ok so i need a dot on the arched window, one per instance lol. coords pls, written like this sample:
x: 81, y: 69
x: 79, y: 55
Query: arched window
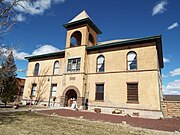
x: 100, y: 63
x: 132, y: 60
x: 76, y: 39
x: 56, y: 67
x: 36, y: 69
x: 91, y: 40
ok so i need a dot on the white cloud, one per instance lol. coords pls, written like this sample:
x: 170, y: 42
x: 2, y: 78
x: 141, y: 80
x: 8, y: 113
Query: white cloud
x: 174, y: 25
x: 19, y: 55
x: 173, y: 88
x: 45, y: 49
x: 20, y: 70
x: 166, y: 60
x: 159, y: 8
x: 164, y: 76
x: 36, y: 7
x: 58, y: 1
x: 19, y: 18
x: 32, y: 7
x: 175, y: 72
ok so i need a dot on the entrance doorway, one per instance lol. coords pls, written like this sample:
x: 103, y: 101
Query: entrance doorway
x: 69, y: 97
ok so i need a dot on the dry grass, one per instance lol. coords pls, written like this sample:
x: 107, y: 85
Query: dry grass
x: 28, y: 123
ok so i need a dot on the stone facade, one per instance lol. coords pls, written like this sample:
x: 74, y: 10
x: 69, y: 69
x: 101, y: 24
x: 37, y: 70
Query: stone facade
x: 171, y: 108
x: 81, y: 84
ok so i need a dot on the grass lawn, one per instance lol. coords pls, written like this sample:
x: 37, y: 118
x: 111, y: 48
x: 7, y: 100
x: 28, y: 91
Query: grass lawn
x: 29, y: 123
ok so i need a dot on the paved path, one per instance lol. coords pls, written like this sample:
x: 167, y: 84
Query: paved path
x: 171, y: 125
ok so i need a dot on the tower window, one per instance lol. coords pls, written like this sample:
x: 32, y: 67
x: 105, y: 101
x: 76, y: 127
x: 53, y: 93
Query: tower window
x: 76, y: 39
x: 91, y: 40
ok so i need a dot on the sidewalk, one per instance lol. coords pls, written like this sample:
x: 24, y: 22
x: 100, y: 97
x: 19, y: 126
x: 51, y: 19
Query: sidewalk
x: 171, y: 125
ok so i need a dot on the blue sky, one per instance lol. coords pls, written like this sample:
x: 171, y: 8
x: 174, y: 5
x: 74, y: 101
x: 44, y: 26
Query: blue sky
x: 40, y: 29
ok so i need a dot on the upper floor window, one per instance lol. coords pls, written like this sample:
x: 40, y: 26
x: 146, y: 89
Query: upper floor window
x: 100, y: 63
x: 76, y: 39
x: 56, y: 67
x: 74, y: 64
x: 132, y: 60
x: 36, y: 69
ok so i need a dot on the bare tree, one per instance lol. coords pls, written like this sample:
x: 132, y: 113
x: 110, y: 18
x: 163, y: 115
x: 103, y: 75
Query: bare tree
x: 7, y: 20
x: 8, y: 13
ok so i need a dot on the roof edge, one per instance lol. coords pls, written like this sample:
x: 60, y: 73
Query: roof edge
x: 126, y: 41
x: 45, y: 55
x: 86, y: 20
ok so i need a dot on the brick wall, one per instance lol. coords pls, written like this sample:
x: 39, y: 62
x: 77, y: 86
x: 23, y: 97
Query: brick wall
x: 171, y: 108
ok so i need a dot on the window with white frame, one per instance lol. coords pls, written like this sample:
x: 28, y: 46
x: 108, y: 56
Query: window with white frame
x: 56, y: 67
x: 33, y: 90
x: 100, y: 63
x: 74, y: 65
x: 53, y: 90
x: 132, y: 60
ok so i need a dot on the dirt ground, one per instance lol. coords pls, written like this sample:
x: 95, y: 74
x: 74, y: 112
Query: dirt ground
x: 170, y: 124
x: 30, y: 123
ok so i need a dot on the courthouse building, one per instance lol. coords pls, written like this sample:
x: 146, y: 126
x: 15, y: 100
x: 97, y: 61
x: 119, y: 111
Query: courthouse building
x: 118, y: 74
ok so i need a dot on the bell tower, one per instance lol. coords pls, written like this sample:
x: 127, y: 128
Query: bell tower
x: 81, y: 31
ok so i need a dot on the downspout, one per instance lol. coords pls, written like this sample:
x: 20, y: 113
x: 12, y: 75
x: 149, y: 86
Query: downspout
x: 86, y: 75
x: 49, y: 79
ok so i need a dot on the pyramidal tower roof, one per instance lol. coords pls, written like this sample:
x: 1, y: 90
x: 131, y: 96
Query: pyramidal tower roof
x: 80, y: 19
x: 81, y: 16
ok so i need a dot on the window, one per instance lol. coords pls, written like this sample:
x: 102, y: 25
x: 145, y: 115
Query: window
x: 36, y: 70
x: 91, y: 39
x: 132, y: 61
x: 33, y: 91
x: 99, y: 92
x: 74, y: 65
x: 53, y: 90
x: 76, y: 39
x: 132, y: 92
x: 56, y: 67
x: 100, y: 63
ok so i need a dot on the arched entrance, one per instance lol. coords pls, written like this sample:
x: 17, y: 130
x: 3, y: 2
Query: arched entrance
x: 71, y: 92
x: 69, y: 97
